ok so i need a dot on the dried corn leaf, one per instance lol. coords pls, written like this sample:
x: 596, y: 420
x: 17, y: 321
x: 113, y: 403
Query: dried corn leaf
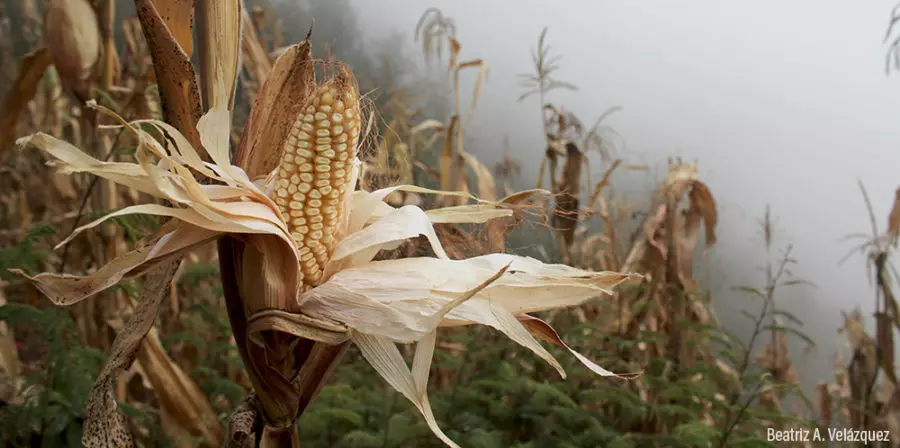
x: 413, y: 286
x: 219, y: 36
x: 702, y: 199
x: 487, y: 188
x: 174, y: 73
x: 454, y: 53
x: 20, y: 94
x: 256, y: 59
x: 446, y: 158
x: 466, y: 214
x: 894, y: 219
x: 479, y: 82
x: 65, y: 290
x: 383, y: 355
x: 104, y: 425
x: 180, y: 397
x: 884, y: 337
x: 178, y: 16
x: 598, y: 189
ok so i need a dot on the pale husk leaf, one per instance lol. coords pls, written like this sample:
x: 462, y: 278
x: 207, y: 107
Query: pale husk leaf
x: 219, y: 34
x: 365, y: 204
x: 466, y: 214
x: 409, y: 293
x: 75, y: 160
x: 386, y: 233
x: 386, y: 359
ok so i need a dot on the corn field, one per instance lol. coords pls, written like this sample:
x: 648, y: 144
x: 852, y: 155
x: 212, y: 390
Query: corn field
x: 213, y: 235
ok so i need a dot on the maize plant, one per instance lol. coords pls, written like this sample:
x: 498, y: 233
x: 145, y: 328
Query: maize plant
x: 298, y: 240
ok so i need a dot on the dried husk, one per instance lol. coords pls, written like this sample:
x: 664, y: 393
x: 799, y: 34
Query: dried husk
x: 288, y: 86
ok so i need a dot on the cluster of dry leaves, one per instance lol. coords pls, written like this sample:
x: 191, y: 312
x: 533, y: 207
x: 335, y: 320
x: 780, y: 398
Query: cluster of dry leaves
x: 47, y: 93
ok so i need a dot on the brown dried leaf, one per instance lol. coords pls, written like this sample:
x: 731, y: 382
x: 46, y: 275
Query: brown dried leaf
x: 446, y: 158
x: 278, y: 399
x: 20, y: 94
x: 884, y: 337
x: 175, y: 75
x: 242, y: 424
x: 598, y: 190
x: 894, y: 219
x: 180, y: 395
x: 702, y: 199
x: 566, y: 212
x: 104, y: 425
x: 188, y: 413
x: 823, y: 398
x: 275, y: 108
x: 256, y: 58
x: 454, y: 53
x: 479, y: 82
x: 178, y: 16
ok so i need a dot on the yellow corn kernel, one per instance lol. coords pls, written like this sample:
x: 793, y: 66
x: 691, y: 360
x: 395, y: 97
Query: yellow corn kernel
x: 312, y: 175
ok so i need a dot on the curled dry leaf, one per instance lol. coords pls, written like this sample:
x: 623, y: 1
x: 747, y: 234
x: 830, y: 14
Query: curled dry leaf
x: 104, y: 425
x: 256, y: 59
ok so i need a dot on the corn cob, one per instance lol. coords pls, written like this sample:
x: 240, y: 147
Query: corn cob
x: 314, y: 171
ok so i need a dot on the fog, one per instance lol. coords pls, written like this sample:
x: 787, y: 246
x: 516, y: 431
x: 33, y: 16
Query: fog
x: 782, y: 103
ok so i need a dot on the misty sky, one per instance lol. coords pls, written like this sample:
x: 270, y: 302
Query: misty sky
x: 782, y: 103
